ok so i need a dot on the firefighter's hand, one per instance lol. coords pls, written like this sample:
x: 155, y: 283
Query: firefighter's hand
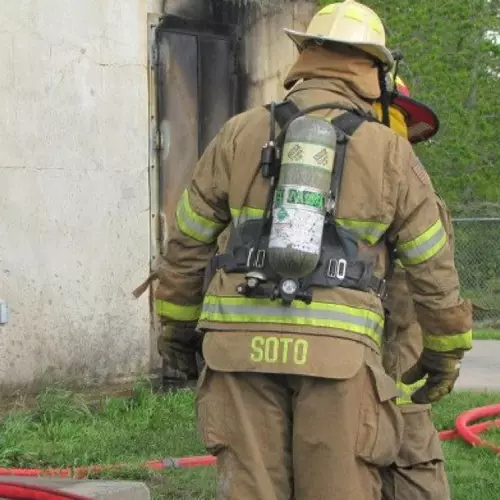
x: 442, y: 370
x: 178, y: 344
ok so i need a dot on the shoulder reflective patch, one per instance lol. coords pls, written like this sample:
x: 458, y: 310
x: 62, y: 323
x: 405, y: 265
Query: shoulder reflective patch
x: 281, y: 350
x: 421, y: 173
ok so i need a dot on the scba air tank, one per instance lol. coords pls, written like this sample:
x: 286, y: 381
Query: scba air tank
x: 299, y: 205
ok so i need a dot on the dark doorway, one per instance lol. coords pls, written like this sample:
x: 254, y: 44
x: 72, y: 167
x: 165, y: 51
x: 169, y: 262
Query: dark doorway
x: 197, y: 84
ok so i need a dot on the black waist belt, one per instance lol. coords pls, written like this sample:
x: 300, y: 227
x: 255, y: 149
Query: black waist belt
x: 331, y: 272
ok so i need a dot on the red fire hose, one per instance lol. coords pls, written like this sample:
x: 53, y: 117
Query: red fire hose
x: 19, y: 491
x: 464, y: 431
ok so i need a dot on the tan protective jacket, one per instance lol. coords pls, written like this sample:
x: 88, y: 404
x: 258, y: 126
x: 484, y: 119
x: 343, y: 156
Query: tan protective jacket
x: 385, y: 192
x: 403, y: 342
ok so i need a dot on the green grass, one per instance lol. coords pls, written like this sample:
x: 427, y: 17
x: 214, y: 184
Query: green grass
x: 486, y: 334
x: 63, y: 431
x: 474, y: 473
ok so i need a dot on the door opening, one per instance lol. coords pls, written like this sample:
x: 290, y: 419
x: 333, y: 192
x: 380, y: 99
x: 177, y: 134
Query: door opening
x: 197, y: 91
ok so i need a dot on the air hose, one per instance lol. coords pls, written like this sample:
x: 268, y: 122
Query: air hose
x: 464, y: 431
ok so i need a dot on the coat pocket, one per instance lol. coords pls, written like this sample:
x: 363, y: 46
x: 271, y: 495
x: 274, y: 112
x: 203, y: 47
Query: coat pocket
x: 381, y: 423
x: 210, y: 411
x: 421, y: 442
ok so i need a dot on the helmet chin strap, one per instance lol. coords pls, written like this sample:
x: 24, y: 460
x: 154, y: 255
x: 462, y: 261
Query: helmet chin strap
x: 398, y: 57
x: 385, y: 96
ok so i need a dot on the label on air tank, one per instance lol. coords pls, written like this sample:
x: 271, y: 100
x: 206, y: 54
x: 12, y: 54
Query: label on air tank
x: 298, y: 218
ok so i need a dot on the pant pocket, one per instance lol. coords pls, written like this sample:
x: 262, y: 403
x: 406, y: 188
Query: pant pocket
x: 381, y: 424
x: 211, y: 411
x: 421, y: 442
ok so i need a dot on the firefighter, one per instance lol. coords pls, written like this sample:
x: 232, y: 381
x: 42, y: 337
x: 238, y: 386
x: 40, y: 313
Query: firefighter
x: 418, y: 472
x: 294, y: 400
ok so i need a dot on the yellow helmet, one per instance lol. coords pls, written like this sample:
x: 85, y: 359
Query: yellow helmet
x: 351, y: 23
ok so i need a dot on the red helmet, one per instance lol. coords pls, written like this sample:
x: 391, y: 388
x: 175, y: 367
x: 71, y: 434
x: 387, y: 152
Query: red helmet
x: 421, y: 120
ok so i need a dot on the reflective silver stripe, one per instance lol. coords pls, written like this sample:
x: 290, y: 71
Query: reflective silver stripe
x: 235, y: 310
x: 369, y: 231
x: 425, y: 246
x: 244, y: 214
x: 194, y: 225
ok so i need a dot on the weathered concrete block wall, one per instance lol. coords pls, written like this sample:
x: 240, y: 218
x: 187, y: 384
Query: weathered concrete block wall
x: 267, y: 52
x: 74, y: 200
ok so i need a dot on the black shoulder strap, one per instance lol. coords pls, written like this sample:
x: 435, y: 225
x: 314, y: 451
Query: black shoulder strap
x: 348, y: 123
x: 283, y: 111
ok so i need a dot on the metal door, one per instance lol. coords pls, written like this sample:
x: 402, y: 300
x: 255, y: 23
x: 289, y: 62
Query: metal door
x: 196, y: 84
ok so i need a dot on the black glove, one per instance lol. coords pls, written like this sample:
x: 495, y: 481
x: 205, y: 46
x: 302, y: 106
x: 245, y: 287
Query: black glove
x: 442, y: 370
x: 178, y: 345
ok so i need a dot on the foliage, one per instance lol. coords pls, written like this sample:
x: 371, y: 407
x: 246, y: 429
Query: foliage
x: 452, y: 63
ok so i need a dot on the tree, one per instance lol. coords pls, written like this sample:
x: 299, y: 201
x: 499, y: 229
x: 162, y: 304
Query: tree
x: 452, y: 62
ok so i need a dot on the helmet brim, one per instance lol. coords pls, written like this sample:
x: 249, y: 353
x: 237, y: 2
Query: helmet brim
x: 421, y: 120
x: 380, y: 53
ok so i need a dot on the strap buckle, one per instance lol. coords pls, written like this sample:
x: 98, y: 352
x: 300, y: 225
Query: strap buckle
x: 259, y: 261
x: 382, y: 289
x: 337, y: 269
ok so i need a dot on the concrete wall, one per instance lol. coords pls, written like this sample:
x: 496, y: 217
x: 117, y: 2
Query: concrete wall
x: 269, y: 52
x: 74, y: 200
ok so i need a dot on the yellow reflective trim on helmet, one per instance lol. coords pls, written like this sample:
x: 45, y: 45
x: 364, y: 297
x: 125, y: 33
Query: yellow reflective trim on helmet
x: 317, y: 314
x: 194, y: 225
x: 177, y: 312
x: 376, y: 25
x: 329, y: 9
x: 370, y: 231
x: 446, y: 343
x: 423, y: 247
x: 354, y: 13
x: 406, y: 391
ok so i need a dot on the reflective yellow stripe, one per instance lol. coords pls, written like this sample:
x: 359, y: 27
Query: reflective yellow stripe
x: 176, y: 312
x: 194, y: 225
x: 370, y: 231
x: 445, y: 343
x: 423, y: 247
x: 317, y: 314
x: 240, y: 216
x: 406, y: 390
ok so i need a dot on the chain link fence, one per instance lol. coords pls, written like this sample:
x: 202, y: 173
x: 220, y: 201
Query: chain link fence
x: 477, y: 256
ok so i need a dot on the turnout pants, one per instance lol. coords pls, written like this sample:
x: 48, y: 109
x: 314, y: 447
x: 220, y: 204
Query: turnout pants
x: 283, y: 437
x: 418, y: 473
